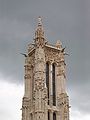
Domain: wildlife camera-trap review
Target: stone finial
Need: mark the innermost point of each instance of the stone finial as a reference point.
(39, 21)
(58, 44)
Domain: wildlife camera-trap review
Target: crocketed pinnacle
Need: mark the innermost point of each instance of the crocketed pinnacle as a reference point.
(39, 33)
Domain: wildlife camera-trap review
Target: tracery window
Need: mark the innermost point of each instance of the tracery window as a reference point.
(47, 79)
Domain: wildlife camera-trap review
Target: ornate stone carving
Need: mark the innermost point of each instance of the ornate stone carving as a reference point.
(27, 76)
(39, 42)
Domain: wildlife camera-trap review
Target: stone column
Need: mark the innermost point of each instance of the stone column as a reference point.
(51, 115)
(27, 78)
(39, 83)
(61, 79)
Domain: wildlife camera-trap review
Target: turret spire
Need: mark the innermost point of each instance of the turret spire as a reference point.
(39, 33)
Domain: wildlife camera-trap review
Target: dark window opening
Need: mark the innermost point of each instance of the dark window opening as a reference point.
(54, 116)
(47, 79)
(48, 115)
(53, 84)
(31, 116)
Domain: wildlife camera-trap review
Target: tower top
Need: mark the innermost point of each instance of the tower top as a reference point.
(45, 96)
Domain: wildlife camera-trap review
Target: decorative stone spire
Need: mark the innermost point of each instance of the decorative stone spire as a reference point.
(39, 34)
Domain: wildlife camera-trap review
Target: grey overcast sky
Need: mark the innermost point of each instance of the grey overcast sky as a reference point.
(65, 20)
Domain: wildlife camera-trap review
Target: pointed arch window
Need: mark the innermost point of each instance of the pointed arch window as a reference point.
(47, 79)
(53, 84)
(54, 116)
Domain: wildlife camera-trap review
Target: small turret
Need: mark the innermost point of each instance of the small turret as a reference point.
(58, 44)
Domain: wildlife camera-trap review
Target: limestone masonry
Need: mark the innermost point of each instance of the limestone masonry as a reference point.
(45, 96)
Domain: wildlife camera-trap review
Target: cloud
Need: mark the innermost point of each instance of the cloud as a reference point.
(14, 38)
(10, 100)
(76, 115)
(79, 98)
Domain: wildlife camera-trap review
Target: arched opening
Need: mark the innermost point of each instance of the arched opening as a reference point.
(53, 84)
(47, 79)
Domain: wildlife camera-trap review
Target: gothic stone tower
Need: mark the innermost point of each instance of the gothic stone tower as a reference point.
(45, 96)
